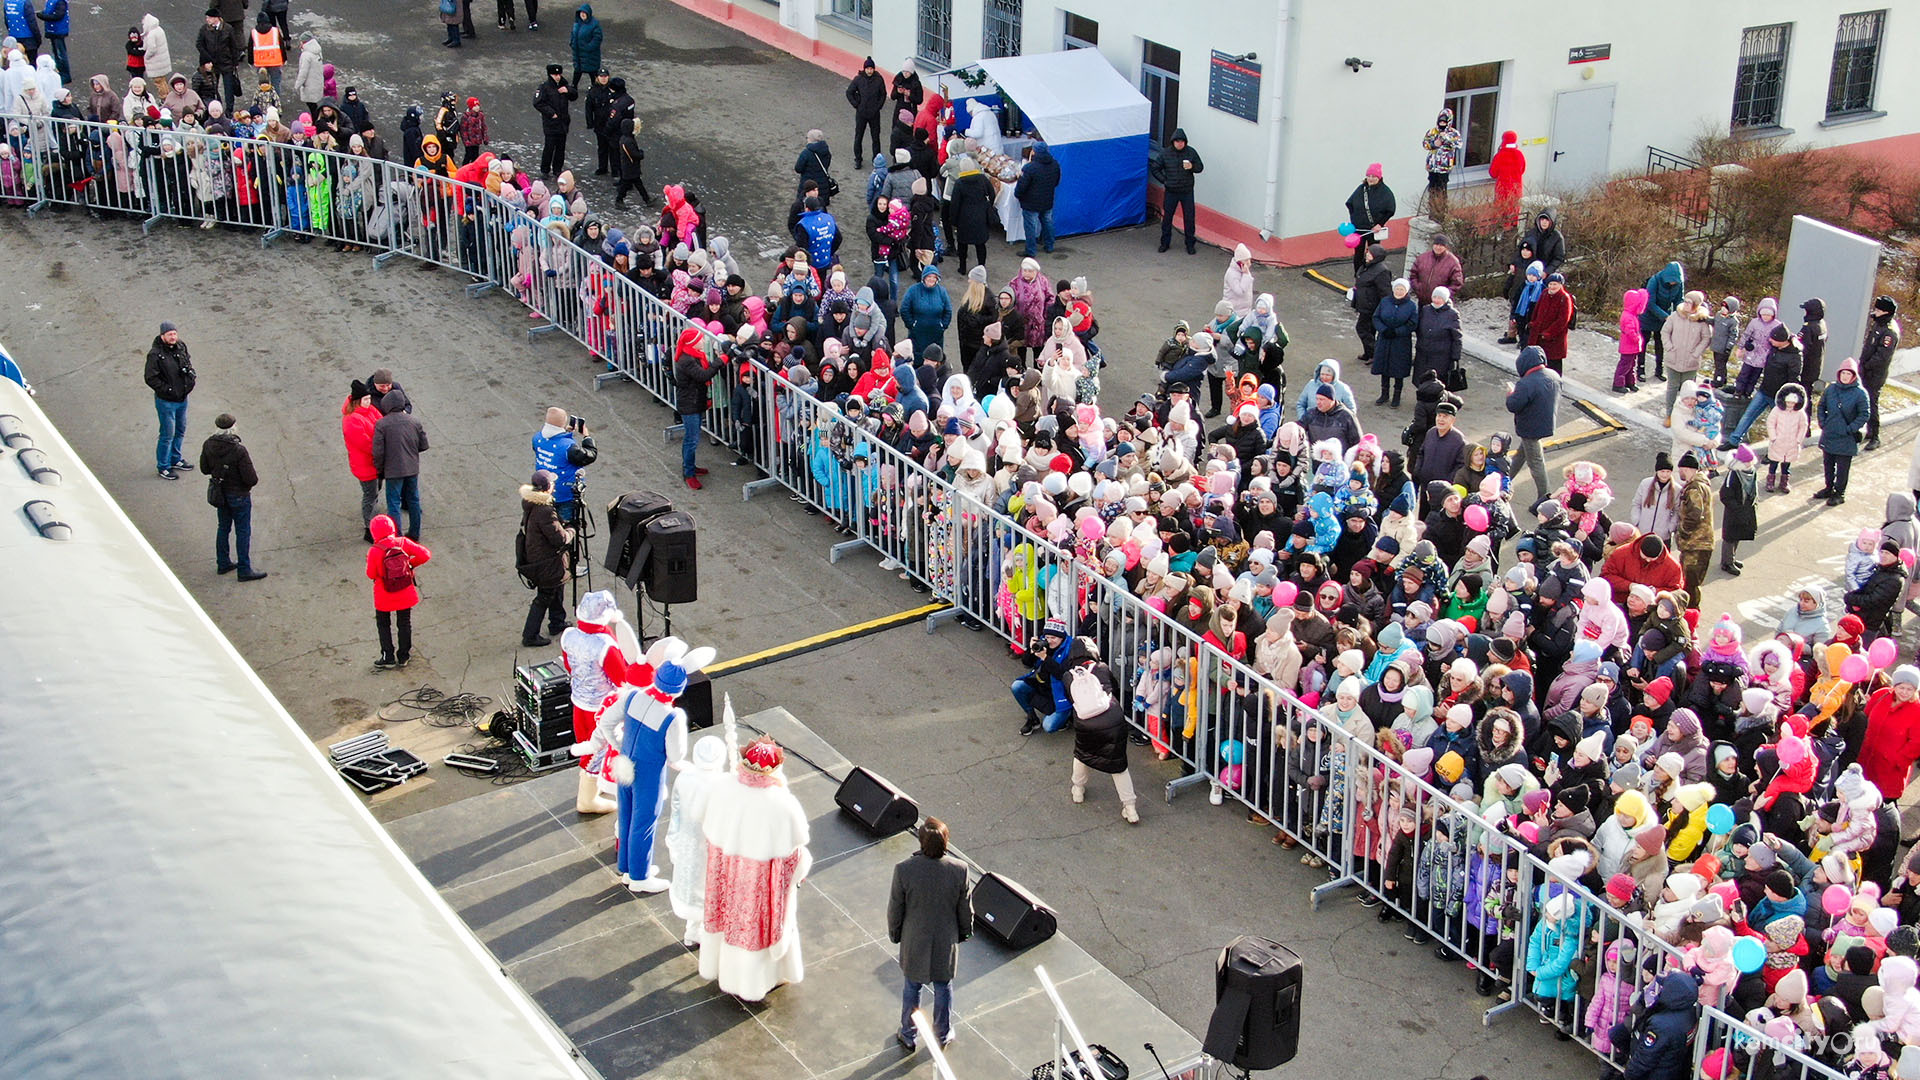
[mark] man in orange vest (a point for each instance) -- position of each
(269, 50)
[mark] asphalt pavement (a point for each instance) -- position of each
(278, 333)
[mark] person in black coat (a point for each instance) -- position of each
(630, 159)
(928, 916)
(972, 204)
(1438, 347)
(1549, 247)
(904, 98)
(1034, 191)
(1369, 207)
(1371, 284)
(553, 101)
(1877, 597)
(1813, 341)
(867, 93)
(1099, 739)
(1876, 357)
(1394, 319)
(230, 482)
(1173, 168)
(543, 561)
(815, 163)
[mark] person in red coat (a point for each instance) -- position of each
(1892, 742)
(391, 562)
(1507, 168)
(358, 414)
(1644, 560)
(1552, 319)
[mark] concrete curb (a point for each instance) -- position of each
(1496, 356)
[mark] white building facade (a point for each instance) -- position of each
(1288, 101)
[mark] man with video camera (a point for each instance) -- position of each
(563, 447)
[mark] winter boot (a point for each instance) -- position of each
(1079, 794)
(588, 799)
(1772, 478)
(1128, 814)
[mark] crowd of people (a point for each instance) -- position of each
(1548, 661)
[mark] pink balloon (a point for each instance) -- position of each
(1476, 518)
(1284, 593)
(1907, 556)
(1353, 240)
(1882, 653)
(1855, 669)
(1230, 776)
(1836, 900)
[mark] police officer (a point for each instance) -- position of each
(563, 449)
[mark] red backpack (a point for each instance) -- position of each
(396, 568)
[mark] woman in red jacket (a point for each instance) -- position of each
(358, 414)
(1508, 167)
(391, 562)
(1551, 320)
(1892, 742)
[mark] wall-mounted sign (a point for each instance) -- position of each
(1587, 54)
(1233, 86)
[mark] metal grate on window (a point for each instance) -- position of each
(1002, 33)
(1856, 62)
(935, 39)
(1759, 82)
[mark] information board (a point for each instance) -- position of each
(1233, 86)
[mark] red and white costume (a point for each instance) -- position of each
(602, 655)
(757, 856)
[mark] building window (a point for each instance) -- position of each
(1080, 32)
(1160, 84)
(935, 40)
(1002, 36)
(1856, 63)
(1759, 83)
(1473, 93)
(859, 11)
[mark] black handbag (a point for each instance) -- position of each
(1457, 377)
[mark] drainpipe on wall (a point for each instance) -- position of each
(1276, 137)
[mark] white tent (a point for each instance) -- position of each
(1071, 97)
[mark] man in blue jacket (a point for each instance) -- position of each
(1534, 401)
(1039, 179)
(562, 449)
(1054, 654)
(1660, 1045)
(23, 29)
(822, 235)
(1190, 369)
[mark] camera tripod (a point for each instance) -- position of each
(579, 557)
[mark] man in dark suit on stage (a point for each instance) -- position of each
(928, 916)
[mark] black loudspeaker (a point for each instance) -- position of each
(627, 518)
(672, 569)
(697, 701)
(1256, 1012)
(881, 807)
(1010, 914)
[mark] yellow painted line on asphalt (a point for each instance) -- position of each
(821, 641)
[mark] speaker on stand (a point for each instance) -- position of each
(654, 549)
(1256, 1013)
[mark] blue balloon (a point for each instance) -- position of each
(1748, 955)
(1719, 819)
(1346, 228)
(1233, 752)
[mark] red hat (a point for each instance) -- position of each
(1472, 624)
(473, 103)
(1660, 689)
(1060, 463)
(1851, 626)
(1620, 887)
(763, 755)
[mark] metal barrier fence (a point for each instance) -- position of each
(1475, 889)
(1754, 1053)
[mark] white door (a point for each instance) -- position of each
(1582, 137)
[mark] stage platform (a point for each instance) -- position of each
(535, 882)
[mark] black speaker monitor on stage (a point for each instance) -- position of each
(697, 701)
(1011, 915)
(627, 518)
(881, 807)
(672, 569)
(1256, 1012)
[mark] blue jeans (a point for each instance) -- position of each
(1039, 223)
(236, 518)
(404, 491)
(173, 427)
(1754, 408)
(942, 1010)
(1025, 692)
(689, 441)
